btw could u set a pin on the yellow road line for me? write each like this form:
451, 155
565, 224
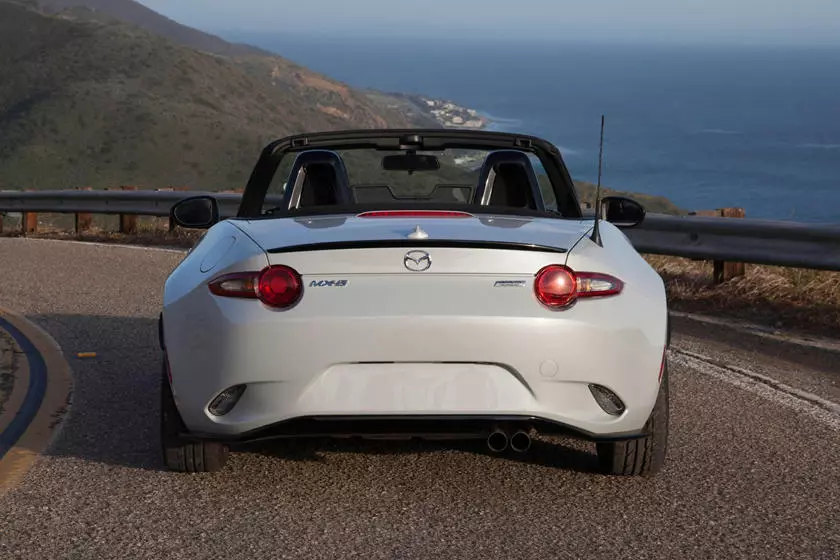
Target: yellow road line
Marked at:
56, 399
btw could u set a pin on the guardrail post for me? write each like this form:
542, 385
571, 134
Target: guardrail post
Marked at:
171, 223
28, 220
84, 220
128, 222
1, 222
725, 271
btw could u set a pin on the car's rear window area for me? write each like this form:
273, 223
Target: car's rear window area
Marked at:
454, 179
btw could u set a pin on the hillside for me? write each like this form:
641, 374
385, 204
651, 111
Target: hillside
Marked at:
87, 102
129, 11
104, 93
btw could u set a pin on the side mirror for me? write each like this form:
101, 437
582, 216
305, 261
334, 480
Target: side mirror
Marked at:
621, 211
198, 212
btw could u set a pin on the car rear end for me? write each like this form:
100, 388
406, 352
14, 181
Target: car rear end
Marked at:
463, 325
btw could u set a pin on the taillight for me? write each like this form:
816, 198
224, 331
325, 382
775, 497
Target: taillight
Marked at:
239, 284
558, 287
280, 286
276, 286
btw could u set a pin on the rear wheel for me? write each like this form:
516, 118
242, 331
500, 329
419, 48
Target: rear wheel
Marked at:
644, 456
184, 455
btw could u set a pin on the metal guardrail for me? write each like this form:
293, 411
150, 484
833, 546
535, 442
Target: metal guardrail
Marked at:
739, 240
141, 203
698, 237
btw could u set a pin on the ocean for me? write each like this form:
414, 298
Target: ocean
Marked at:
707, 127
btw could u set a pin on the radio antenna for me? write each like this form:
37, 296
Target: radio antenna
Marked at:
596, 233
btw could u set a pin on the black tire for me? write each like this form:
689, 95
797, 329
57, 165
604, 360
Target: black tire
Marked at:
185, 455
644, 456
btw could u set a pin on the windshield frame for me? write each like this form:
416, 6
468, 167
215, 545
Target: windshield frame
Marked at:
388, 140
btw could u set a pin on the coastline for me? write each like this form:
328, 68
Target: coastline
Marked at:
450, 114
427, 110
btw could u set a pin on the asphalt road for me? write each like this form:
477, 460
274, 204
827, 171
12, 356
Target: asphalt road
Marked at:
753, 468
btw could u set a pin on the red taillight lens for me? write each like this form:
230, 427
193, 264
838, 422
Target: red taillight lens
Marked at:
558, 286
415, 214
275, 286
280, 286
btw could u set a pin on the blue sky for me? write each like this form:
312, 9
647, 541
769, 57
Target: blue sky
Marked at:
707, 21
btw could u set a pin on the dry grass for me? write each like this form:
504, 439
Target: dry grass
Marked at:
785, 298
150, 231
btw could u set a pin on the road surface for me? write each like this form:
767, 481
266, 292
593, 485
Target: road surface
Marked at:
753, 468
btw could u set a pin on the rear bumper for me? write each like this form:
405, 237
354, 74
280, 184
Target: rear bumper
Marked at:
406, 427
417, 400
312, 371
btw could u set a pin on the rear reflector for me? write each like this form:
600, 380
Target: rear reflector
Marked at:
226, 400
415, 214
276, 286
607, 400
558, 287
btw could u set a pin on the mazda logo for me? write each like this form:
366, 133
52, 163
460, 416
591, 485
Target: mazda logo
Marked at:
417, 261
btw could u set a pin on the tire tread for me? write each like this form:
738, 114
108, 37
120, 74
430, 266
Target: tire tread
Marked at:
180, 455
644, 456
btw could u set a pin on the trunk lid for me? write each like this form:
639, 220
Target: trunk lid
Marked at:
348, 244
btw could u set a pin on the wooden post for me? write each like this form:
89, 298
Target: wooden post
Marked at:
725, 271
1, 222
128, 222
171, 223
84, 220
29, 222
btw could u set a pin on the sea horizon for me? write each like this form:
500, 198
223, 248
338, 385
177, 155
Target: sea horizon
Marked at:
707, 126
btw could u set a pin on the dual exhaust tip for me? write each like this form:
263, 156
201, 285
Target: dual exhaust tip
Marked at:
499, 440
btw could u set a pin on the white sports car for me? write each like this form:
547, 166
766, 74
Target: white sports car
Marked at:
414, 283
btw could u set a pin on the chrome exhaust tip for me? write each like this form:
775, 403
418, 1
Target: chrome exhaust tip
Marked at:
520, 442
497, 441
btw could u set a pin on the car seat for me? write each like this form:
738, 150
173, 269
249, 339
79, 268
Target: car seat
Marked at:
320, 185
318, 178
507, 179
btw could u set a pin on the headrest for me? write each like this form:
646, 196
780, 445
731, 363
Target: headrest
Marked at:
507, 178
318, 177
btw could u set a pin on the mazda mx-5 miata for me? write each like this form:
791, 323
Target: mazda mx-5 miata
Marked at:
413, 283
